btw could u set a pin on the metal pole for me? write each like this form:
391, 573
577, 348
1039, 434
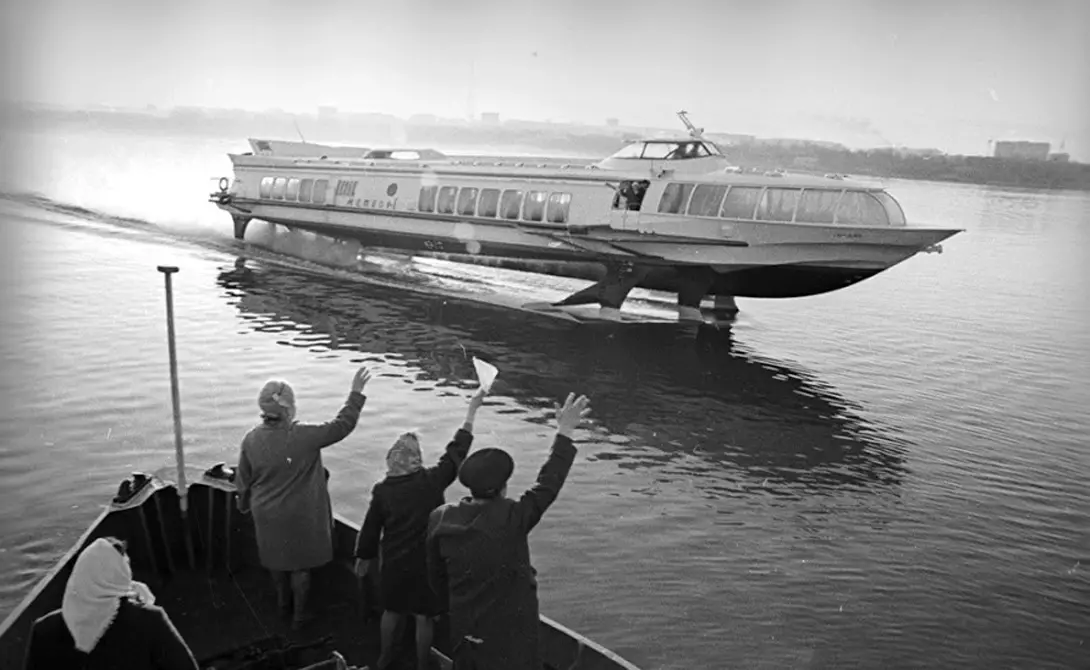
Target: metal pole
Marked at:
179, 453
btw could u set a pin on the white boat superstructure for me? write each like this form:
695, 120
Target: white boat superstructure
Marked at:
666, 214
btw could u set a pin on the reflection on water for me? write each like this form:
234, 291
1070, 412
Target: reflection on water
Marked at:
680, 389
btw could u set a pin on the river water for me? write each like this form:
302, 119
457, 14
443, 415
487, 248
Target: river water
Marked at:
889, 476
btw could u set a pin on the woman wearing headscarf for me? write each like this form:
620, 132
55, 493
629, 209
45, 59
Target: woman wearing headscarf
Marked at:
479, 555
106, 620
282, 482
395, 527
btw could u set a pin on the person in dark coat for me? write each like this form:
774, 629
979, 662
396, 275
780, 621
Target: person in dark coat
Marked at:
282, 482
478, 552
106, 621
395, 527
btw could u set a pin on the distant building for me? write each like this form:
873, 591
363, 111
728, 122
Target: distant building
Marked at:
490, 118
613, 123
1021, 150
1059, 158
327, 111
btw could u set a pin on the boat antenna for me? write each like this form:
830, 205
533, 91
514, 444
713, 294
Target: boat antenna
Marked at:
295, 122
694, 132
179, 453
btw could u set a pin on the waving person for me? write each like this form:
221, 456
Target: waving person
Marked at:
396, 525
282, 482
479, 554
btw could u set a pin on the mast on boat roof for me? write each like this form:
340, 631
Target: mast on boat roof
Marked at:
694, 132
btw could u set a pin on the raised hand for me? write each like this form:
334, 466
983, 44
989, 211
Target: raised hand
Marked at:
478, 399
571, 414
362, 376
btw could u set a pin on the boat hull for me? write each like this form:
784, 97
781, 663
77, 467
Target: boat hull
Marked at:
803, 263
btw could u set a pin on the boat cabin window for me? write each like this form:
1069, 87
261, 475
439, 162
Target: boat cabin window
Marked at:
859, 207
511, 204
278, 188
320, 188
629, 194
534, 208
293, 190
740, 202
630, 151
489, 202
467, 201
305, 188
427, 198
559, 204
675, 198
817, 205
445, 203
778, 204
706, 200
893, 209
266, 187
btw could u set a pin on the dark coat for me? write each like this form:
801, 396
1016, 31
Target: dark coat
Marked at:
141, 637
478, 553
399, 512
282, 482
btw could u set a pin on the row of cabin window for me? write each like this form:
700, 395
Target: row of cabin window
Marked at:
781, 204
491, 202
302, 190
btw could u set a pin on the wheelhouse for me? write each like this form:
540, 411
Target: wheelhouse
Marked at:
668, 150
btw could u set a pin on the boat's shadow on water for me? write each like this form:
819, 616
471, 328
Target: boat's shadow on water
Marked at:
686, 397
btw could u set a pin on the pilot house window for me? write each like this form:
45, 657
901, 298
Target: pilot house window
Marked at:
305, 188
293, 189
278, 188
266, 187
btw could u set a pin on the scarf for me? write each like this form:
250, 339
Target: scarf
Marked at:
277, 400
100, 578
404, 457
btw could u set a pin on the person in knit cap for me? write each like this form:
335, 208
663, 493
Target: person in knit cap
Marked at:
479, 555
106, 620
281, 481
395, 528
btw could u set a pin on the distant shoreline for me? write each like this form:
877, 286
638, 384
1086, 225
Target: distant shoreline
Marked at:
555, 140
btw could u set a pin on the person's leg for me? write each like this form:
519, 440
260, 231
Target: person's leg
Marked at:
388, 628
425, 629
300, 587
282, 582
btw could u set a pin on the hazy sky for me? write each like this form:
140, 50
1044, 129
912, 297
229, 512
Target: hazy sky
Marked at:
948, 74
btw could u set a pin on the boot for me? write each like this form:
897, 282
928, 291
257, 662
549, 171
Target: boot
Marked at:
300, 587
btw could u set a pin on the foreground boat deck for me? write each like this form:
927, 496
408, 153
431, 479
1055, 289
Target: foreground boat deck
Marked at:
222, 615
